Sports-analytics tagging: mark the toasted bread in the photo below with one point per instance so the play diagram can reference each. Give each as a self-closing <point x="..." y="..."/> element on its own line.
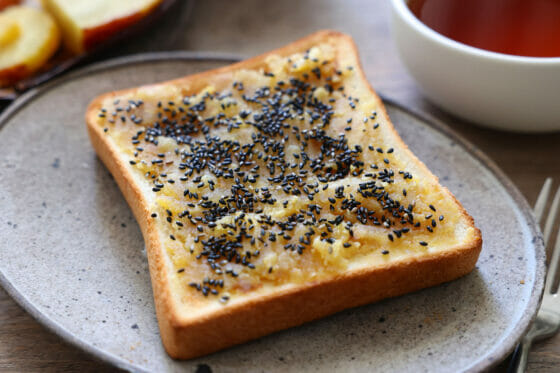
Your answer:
<point x="273" y="192"/>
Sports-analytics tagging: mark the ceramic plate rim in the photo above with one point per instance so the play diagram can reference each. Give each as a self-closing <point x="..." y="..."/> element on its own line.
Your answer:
<point x="494" y="357"/>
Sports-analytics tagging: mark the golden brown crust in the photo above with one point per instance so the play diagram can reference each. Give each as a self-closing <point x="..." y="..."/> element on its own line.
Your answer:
<point x="188" y="337"/>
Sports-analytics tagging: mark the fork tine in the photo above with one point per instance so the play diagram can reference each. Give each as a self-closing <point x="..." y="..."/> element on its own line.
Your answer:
<point x="551" y="215"/>
<point x="551" y="275"/>
<point x="542" y="198"/>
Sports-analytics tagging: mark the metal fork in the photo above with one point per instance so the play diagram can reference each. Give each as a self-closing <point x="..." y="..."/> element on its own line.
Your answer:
<point x="547" y="321"/>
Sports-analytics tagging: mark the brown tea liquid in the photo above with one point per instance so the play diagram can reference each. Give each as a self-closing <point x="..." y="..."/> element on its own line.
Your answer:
<point x="518" y="27"/>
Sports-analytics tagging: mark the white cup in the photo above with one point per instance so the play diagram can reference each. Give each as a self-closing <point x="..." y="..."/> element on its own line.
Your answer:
<point x="497" y="90"/>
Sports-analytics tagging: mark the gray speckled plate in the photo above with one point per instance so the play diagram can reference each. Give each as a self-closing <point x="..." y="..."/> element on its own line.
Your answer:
<point x="72" y="255"/>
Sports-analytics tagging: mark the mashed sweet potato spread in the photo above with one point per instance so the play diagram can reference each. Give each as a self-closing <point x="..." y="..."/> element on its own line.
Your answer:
<point x="277" y="176"/>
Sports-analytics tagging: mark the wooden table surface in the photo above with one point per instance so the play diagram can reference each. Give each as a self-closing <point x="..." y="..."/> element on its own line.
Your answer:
<point x="249" y="27"/>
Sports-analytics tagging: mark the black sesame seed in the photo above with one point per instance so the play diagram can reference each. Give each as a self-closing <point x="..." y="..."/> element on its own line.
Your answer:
<point x="200" y="152"/>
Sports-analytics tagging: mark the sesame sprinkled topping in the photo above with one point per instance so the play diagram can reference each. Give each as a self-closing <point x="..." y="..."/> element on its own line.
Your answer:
<point x="253" y="169"/>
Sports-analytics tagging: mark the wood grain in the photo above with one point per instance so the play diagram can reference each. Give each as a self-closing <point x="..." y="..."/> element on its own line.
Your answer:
<point x="248" y="27"/>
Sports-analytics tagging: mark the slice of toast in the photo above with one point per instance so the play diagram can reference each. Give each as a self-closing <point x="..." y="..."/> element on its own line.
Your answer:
<point x="273" y="192"/>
